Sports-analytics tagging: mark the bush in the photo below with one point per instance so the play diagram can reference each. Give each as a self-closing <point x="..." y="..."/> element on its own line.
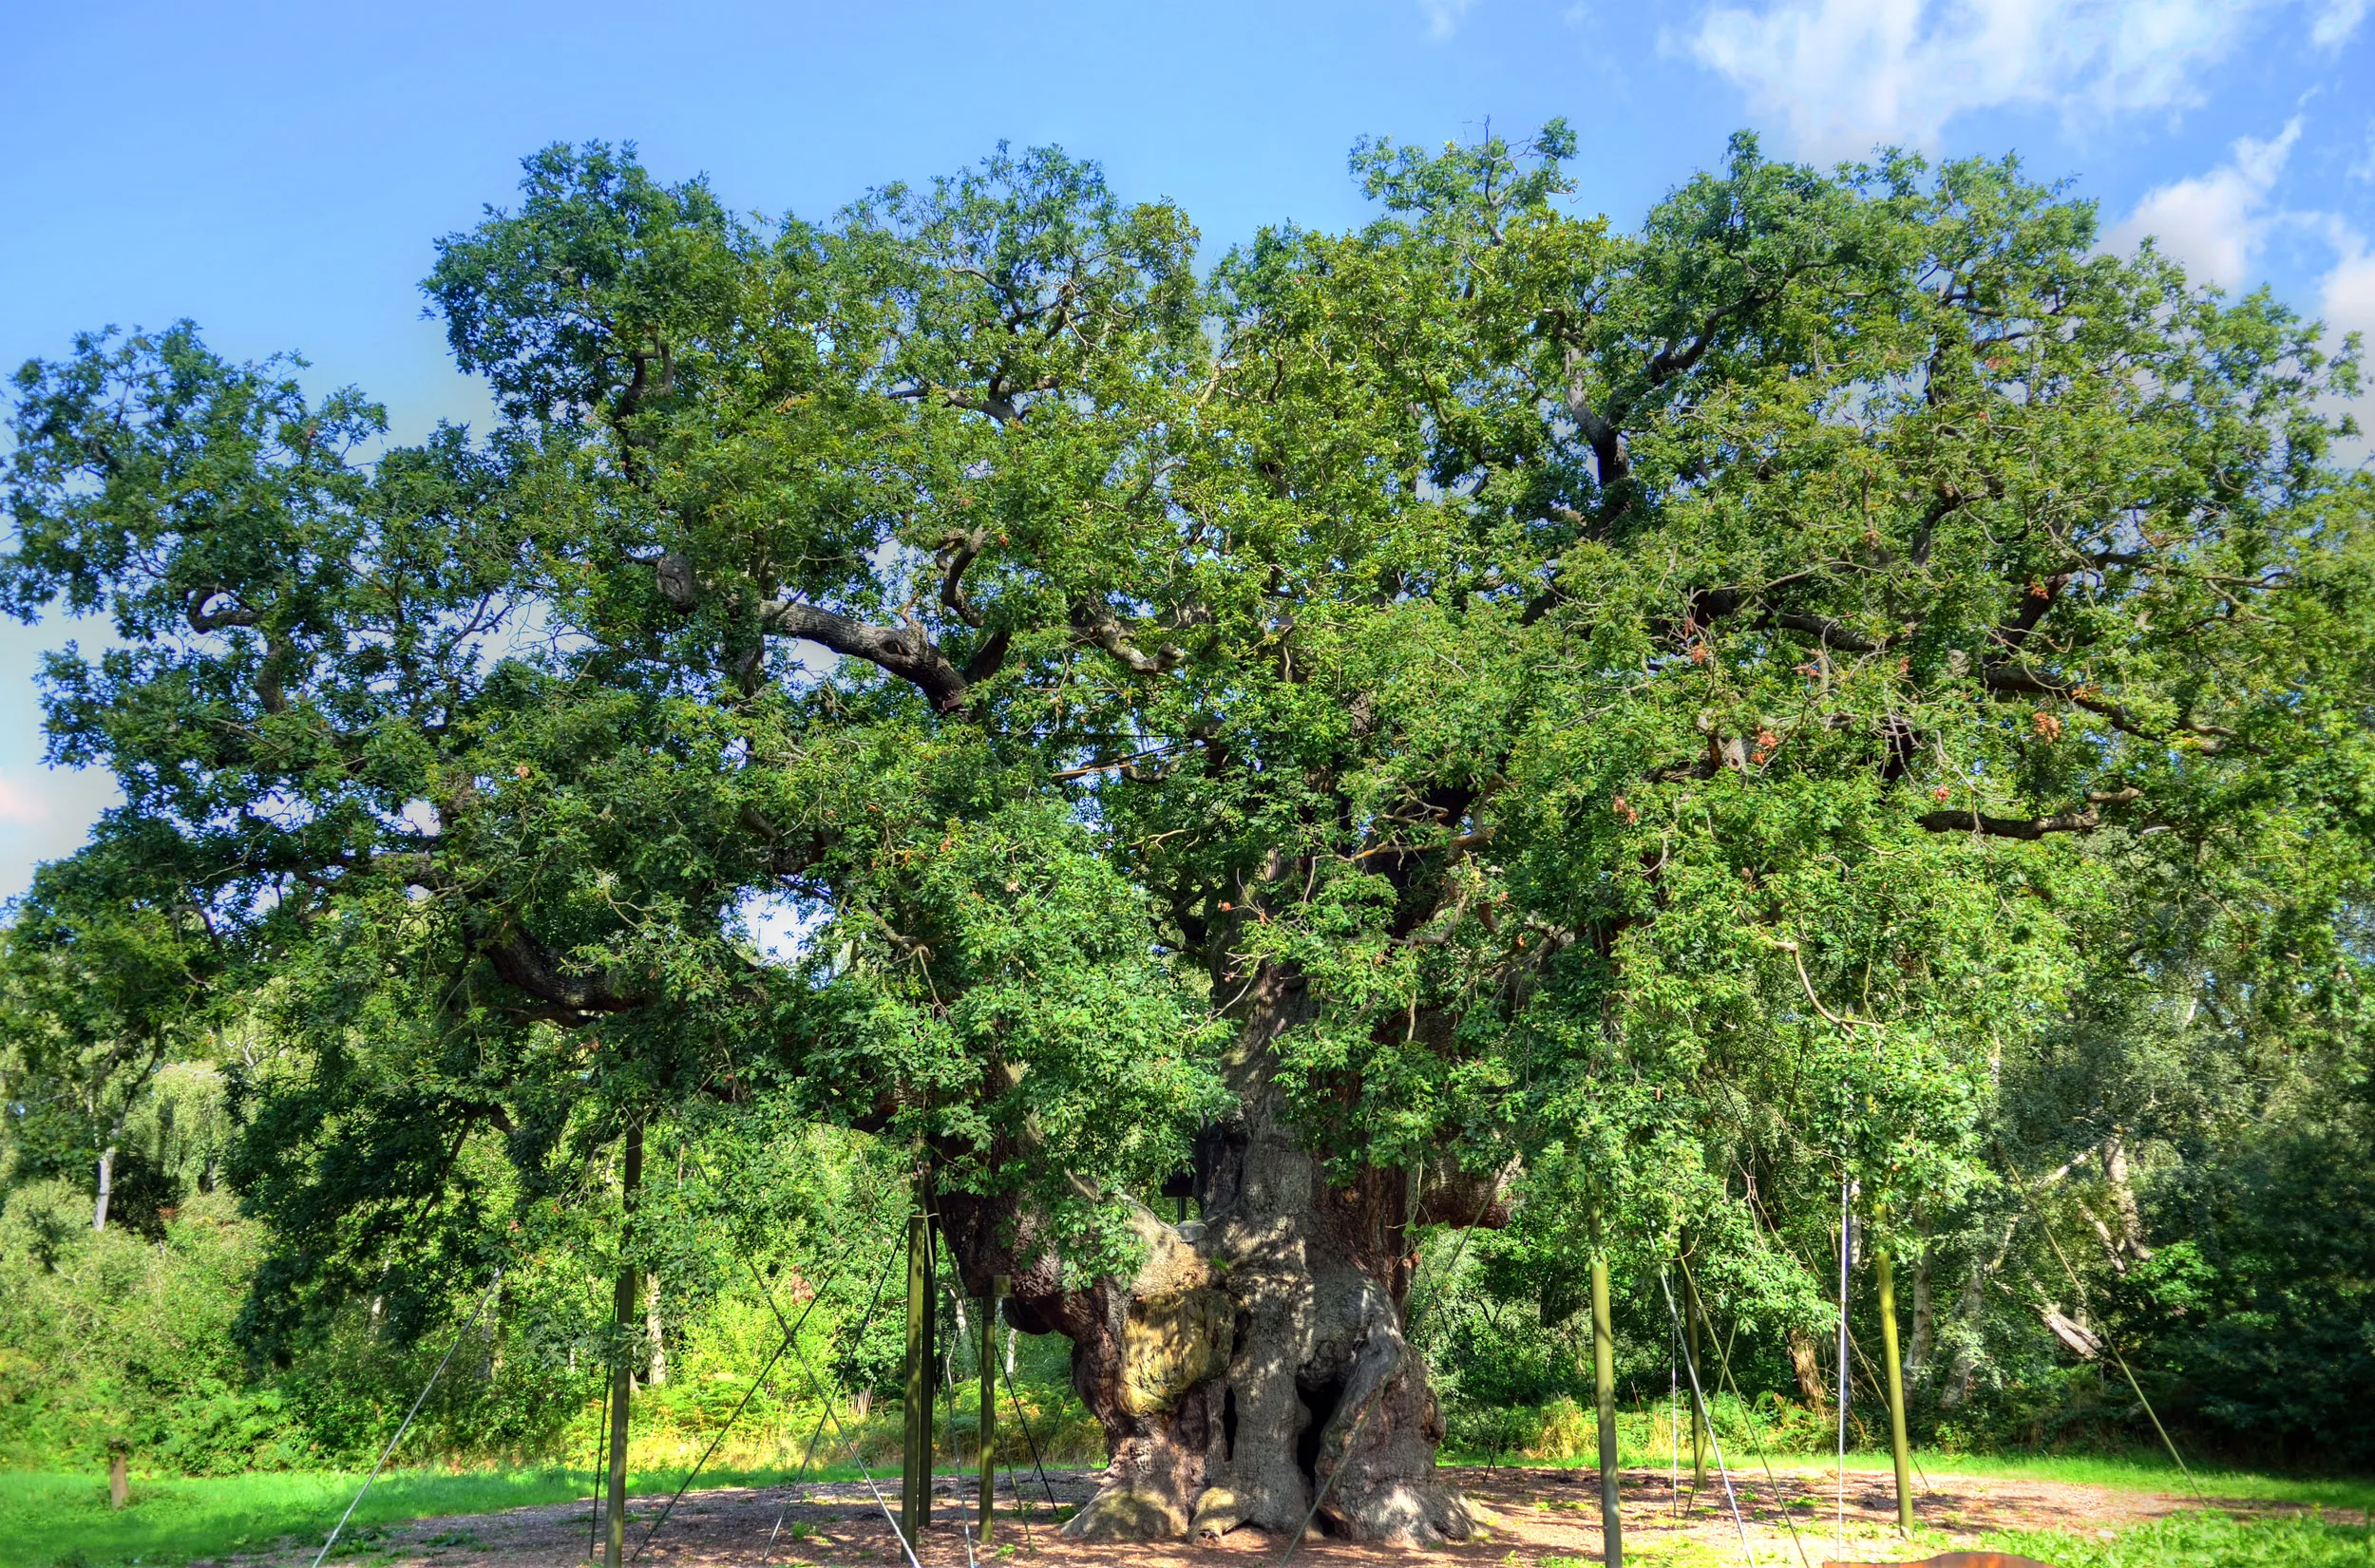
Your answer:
<point x="112" y="1336"/>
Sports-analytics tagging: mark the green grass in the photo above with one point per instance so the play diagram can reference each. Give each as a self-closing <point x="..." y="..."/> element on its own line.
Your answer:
<point x="50" y="1519"/>
<point x="2147" y="1472"/>
<point x="2204" y="1540"/>
<point x="53" y="1518"/>
<point x="2140" y="1472"/>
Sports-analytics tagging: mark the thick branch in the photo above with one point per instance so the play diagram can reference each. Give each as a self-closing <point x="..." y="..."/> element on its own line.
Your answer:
<point x="2034" y="603"/>
<point x="203" y="617"/>
<point x="1448" y="1195"/>
<point x="997" y="400"/>
<point x="2083" y="1342"/>
<point x="526" y="964"/>
<point x="1610" y="458"/>
<point x="2085" y="821"/>
<point x="959" y="551"/>
<point x="269" y="675"/>
<point x="905" y="652"/>
<point x="2012" y="679"/>
<point x="1829" y="633"/>
<point x="1095" y="625"/>
<point x="1674" y="359"/>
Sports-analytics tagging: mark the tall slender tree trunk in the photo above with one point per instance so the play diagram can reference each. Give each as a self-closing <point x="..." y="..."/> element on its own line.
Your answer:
<point x="1254" y="1371"/>
<point x="1806" y="1367"/>
<point x="1963" y="1371"/>
<point x="656" y="1368"/>
<point x="1971" y="1319"/>
<point x="1920" y="1345"/>
<point x="622" y="1371"/>
<point x="106" y="1187"/>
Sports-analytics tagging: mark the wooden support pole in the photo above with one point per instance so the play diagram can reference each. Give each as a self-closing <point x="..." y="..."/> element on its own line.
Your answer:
<point x="626" y="1316"/>
<point x="1603" y="1385"/>
<point x="989" y="1404"/>
<point x="1898" y="1444"/>
<point x="915" y="1489"/>
<point x="118" y="1474"/>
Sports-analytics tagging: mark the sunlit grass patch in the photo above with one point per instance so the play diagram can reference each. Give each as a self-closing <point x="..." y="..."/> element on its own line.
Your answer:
<point x="2204" y="1539"/>
<point x="50" y="1519"/>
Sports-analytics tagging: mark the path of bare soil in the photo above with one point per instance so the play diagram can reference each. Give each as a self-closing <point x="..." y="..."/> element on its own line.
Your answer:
<point x="1532" y="1517"/>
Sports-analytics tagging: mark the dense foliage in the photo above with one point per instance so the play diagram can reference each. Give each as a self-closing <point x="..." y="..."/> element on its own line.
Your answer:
<point x="126" y="1334"/>
<point x="1843" y="684"/>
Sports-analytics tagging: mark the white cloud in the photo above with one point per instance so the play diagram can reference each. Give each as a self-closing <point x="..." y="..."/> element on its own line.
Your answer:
<point x="1848" y="75"/>
<point x="2335" y="22"/>
<point x="2214" y="223"/>
<point x="2346" y="298"/>
<point x="2347" y="304"/>
<point x="1444" y="16"/>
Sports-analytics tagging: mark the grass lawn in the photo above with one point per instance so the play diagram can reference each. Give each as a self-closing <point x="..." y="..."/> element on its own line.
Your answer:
<point x="2142" y="1472"/>
<point x="2182" y="1541"/>
<point x="47" y="1520"/>
<point x="50" y="1518"/>
<point x="2204" y="1540"/>
<point x="2137" y="1472"/>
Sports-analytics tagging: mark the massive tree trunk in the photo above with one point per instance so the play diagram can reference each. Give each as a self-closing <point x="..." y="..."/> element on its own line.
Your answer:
<point x="1255" y="1363"/>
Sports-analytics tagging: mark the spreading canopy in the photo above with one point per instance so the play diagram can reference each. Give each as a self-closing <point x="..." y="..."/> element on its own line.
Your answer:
<point x="1676" y="705"/>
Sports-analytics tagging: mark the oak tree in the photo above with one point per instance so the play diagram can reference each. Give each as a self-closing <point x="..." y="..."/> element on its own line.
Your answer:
<point x="1486" y="693"/>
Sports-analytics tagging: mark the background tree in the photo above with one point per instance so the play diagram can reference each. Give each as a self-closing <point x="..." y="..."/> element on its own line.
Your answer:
<point x="110" y="972"/>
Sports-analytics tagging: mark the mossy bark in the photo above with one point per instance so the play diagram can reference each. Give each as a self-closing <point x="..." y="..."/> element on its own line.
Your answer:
<point x="1253" y="1372"/>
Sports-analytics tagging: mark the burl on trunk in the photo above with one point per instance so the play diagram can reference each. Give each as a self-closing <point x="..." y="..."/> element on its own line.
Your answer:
<point x="1256" y="1360"/>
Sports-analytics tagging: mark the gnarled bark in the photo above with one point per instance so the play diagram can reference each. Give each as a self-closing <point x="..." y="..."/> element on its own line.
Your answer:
<point x="1256" y="1361"/>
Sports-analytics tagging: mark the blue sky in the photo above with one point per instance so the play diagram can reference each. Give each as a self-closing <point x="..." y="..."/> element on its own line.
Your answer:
<point x="276" y="172"/>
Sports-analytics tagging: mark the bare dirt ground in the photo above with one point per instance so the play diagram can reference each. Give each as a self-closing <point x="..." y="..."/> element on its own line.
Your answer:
<point x="1534" y="1519"/>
